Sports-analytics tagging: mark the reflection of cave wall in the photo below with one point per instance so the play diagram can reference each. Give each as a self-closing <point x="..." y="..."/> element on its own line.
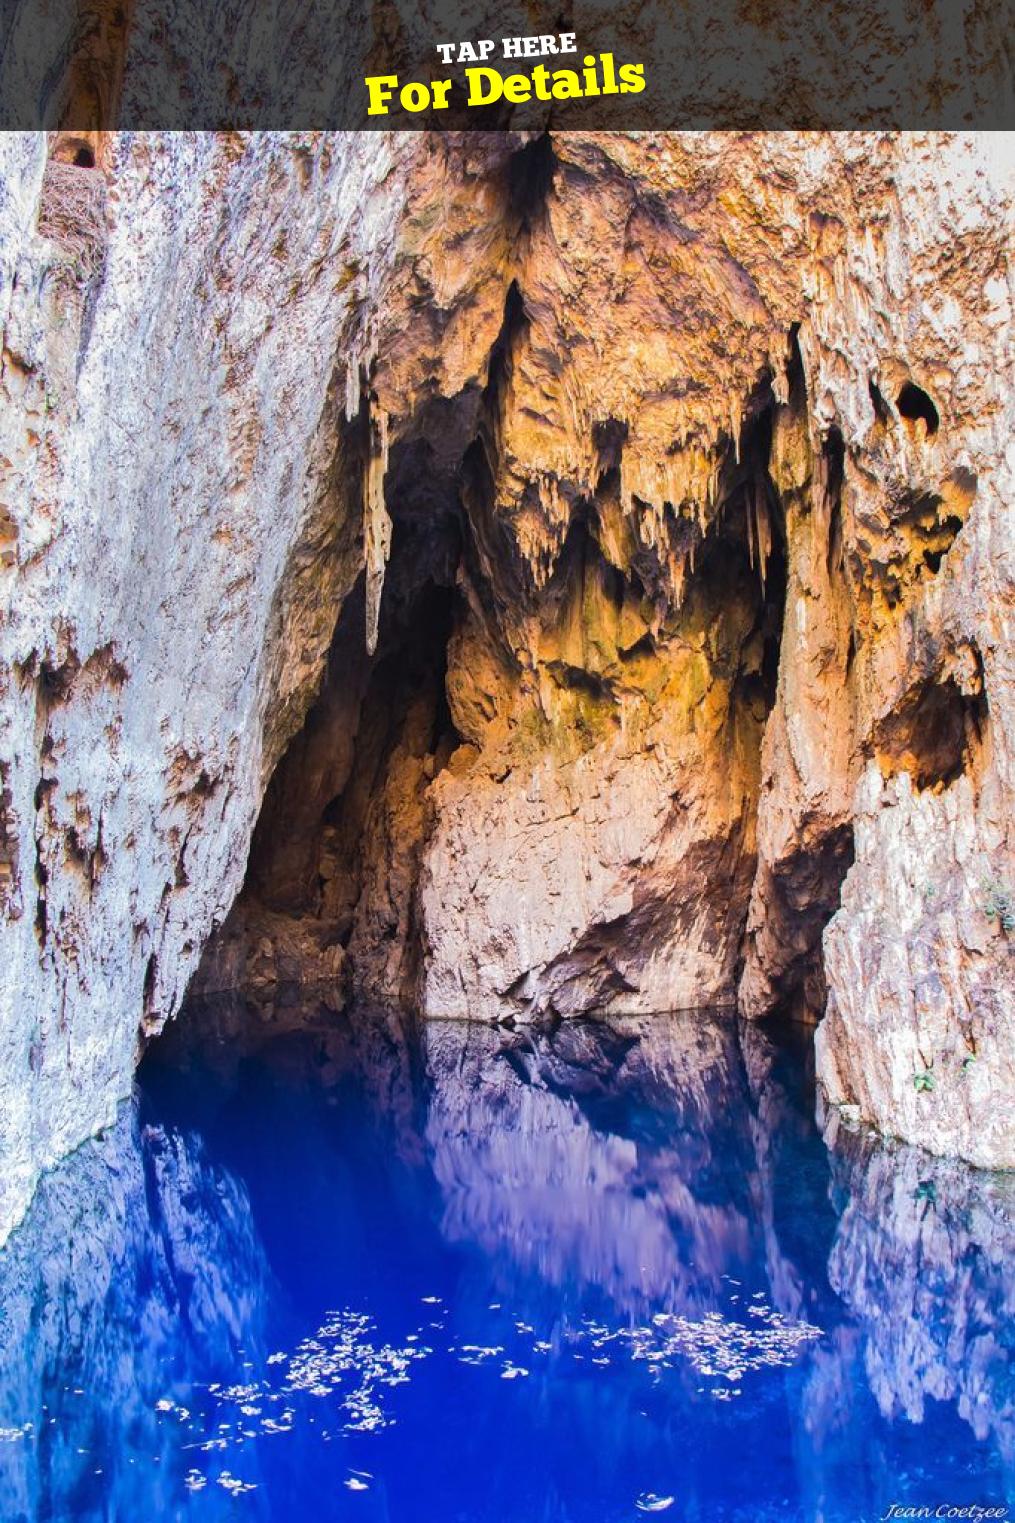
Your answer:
<point x="138" y="1273"/>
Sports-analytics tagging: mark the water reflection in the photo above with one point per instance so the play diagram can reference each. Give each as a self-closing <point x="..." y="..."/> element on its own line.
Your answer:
<point x="615" y="1157"/>
<point x="137" y="1272"/>
<point x="467" y="1273"/>
<point x="924" y="1259"/>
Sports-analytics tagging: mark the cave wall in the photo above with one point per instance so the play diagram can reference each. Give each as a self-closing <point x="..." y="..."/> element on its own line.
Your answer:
<point x="177" y="537"/>
<point x="647" y="381"/>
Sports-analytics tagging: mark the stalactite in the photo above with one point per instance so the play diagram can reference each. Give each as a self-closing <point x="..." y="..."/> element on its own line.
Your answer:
<point x="352" y="389"/>
<point x="358" y="371"/>
<point x="762" y="525"/>
<point x="376" y="524"/>
<point x="686" y="480"/>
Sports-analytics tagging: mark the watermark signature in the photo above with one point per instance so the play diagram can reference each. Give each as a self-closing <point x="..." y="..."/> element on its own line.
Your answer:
<point x="944" y="1510"/>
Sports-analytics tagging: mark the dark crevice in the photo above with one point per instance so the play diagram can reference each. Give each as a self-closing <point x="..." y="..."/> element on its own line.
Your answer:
<point x="41" y="912"/>
<point x="530" y="180"/>
<point x="609" y="438"/>
<point x="802" y="895"/>
<point x="934" y="733"/>
<point x="150" y="977"/>
<point x="498" y="365"/>
<point x="914" y="403"/>
<point x="489" y="539"/>
<point x="833" y="451"/>
<point x="796" y="378"/>
<point x="755" y="520"/>
<point x="882" y="411"/>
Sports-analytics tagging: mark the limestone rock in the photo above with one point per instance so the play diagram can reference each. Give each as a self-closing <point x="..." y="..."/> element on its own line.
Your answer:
<point x="175" y="541"/>
<point x="920" y="1026"/>
<point x="616" y="506"/>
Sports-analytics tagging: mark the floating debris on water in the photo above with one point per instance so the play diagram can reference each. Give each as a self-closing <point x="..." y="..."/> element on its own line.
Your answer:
<point x="345" y="1361"/>
<point x="475" y="1353"/>
<point x="341" y="1348"/>
<point x="716" y="1346"/>
<point x="234" y="1485"/>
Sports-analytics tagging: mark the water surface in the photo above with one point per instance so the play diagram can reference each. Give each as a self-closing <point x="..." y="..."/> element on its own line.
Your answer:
<point x="501" y="1277"/>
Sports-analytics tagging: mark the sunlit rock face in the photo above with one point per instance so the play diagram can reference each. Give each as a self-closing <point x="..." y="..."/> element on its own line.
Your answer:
<point x="572" y="553"/>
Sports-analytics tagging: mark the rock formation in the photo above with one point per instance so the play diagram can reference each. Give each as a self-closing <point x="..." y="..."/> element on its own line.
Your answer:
<point x="586" y="560"/>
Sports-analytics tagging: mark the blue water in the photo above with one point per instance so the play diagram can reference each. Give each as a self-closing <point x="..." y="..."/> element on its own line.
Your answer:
<point x="485" y="1276"/>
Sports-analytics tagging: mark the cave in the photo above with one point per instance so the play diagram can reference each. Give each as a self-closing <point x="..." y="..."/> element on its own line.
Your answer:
<point x="505" y="819"/>
<point x="914" y="403"/>
<point x="332" y="891"/>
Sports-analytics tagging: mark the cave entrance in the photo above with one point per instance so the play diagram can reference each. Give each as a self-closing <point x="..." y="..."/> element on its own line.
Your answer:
<point x="331" y="899"/>
<point x="328" y="898"/>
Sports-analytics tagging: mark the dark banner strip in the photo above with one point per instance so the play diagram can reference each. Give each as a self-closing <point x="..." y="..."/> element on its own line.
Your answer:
<point x="82" y="65"/>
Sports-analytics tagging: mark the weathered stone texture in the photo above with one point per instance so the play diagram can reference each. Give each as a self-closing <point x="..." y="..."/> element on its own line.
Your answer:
<point x="652" y="498"/>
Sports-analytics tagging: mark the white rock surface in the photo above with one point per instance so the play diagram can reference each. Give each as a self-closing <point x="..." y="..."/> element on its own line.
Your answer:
<point x="181" y="546"/>
<point x="181" y="521"/>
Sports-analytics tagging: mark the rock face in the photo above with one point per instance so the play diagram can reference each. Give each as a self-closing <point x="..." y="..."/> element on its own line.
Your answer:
<point x="175" y="543"/>
<point x="578" y="557"/>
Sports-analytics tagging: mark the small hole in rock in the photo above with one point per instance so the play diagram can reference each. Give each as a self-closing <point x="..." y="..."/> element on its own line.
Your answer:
<point x="933" y="734"/>
<point x="84" y="158"/>
<point x="913" y="403"/>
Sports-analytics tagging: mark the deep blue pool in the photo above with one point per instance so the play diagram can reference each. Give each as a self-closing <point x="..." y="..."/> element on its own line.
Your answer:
<point x="494" y="1277"/>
